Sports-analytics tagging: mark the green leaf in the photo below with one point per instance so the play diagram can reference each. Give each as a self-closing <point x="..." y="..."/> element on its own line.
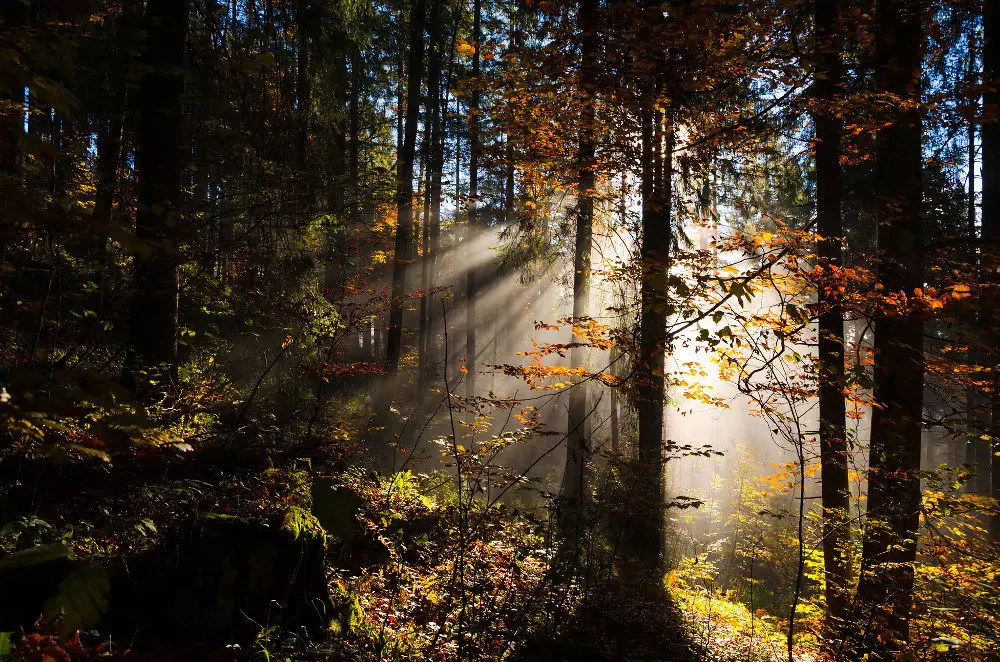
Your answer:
<point x="6" y="644"/>
<point x="82" y="599"/>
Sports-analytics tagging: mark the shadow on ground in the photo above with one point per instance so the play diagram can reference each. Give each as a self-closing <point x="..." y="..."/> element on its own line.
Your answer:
<point x="616" y="624"/>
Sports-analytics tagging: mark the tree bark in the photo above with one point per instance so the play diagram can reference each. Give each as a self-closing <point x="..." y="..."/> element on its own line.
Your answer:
<point x="577" y="438"/>
<point x="990" y="142"/>
<point x="889" y="548"/>
<point x="404" y="189"/>
<point x="657" y="159"/>
<point x="832" y="405"/>
<point x="152" y="338"/>
<point x="473" y="233"/>
<point x="432" y="226"/>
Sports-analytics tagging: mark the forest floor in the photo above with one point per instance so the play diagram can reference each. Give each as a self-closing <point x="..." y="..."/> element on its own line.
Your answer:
<point x="619" y="626"/>
<point x="397" y="583"/>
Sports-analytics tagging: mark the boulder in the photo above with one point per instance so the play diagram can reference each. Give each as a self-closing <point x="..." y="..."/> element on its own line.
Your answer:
<point x="45" y="581"/>
<point x="224" y="580"/>
<point x="335" y="506"/>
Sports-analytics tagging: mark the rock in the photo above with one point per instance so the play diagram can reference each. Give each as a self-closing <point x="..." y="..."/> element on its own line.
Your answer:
<point x="45" y="581"/>
<point x="336" y="507"/>
<point x="27" y="580"/>
<point x="223" y="580"/>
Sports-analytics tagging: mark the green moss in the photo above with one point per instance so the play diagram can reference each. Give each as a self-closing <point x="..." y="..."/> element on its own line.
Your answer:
<point x="300" y="522"/>
<point x="347" y="612"/>
<point x="222" y="518"/>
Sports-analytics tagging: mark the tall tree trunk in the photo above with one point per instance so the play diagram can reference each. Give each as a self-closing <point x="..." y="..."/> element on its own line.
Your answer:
<point x="657" y="164"/>
<point x="303" y="79"/>
<point x="404" y="188"/>
<point x="889" y="548"/>
<point x="152" y="339"/>
<point x="990" y="142"/>
<point x="577" y="438"/>
<point x="473" y="233"/>
<point x="832" y="405"/>
<point x="354" y="136"/>
<point x="335" y="273"/>
<point x="11" y="122"/>
<point x="977" y="451"/>
<point x="432" y="222"/>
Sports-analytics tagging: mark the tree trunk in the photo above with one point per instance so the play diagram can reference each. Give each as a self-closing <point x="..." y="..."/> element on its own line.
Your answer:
<point x="335" y="272"/>
<point x="303" y="79"/>
<point x="889" y="549"/>
<point x="152" y="339"/>
<point x="977" y="451"/>
<point x="404" y="189"/>
<point x="473" y="234"/>
<point x="990" y="141"/>
<point x="657" y="164"/>
<point x="832" y="405"/>
<point x="433" y="196"/>
<point x="577" y="438"/>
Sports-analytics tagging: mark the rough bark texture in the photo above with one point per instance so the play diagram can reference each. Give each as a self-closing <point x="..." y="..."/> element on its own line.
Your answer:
<point x="832" y="407"/>
<point x="889" y="549"/>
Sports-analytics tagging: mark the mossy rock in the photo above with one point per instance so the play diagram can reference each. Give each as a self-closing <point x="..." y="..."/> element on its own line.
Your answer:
<point x="300" y="522"/>
<point x="222" y="579"/>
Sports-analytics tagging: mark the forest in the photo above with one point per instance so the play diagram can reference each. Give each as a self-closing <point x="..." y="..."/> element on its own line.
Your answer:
<point x="519" y="330"/>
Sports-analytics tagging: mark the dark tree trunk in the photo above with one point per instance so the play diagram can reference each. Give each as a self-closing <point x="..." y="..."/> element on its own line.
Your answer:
<point x="473" y="234"/>
<point x="152" y="338"/>
<point x="990" y="141"/>
<point x="303" y="80"/>
<point x="977" y="451"/>
<point x="657" y="164"/>
<point x="109" y="149"/>
<point x="832" y="406"/>
<point x="404" y="189"/>
<point x="335" y="273"/>
<point x="432" y="227"/>
<point x="577" y="438"/>
<point x="889" y="548"/>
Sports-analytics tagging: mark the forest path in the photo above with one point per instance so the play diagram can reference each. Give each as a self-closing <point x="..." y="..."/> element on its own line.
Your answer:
<point x="619" y="625"/>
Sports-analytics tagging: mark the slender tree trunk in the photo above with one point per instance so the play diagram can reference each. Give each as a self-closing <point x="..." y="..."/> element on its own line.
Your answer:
<point x="990" y="142"/>
<point x="473" y="234"/>
<point x="404" y="188"/>
<point x="303" y="79"/>
<point x="616" y="443"/>
<point x="11" y="120"/>
<point x="335" y="272"/>
<point x="354" y="136"/>
<point x="109" y="149"/>
<point x="889" y="548"/>
<point x="577" y="438"/>
<point x="432" y="223"/>
<point x="832" y="405"/>
<point x="152" y="338"/>
<point x="977" y="451"/>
